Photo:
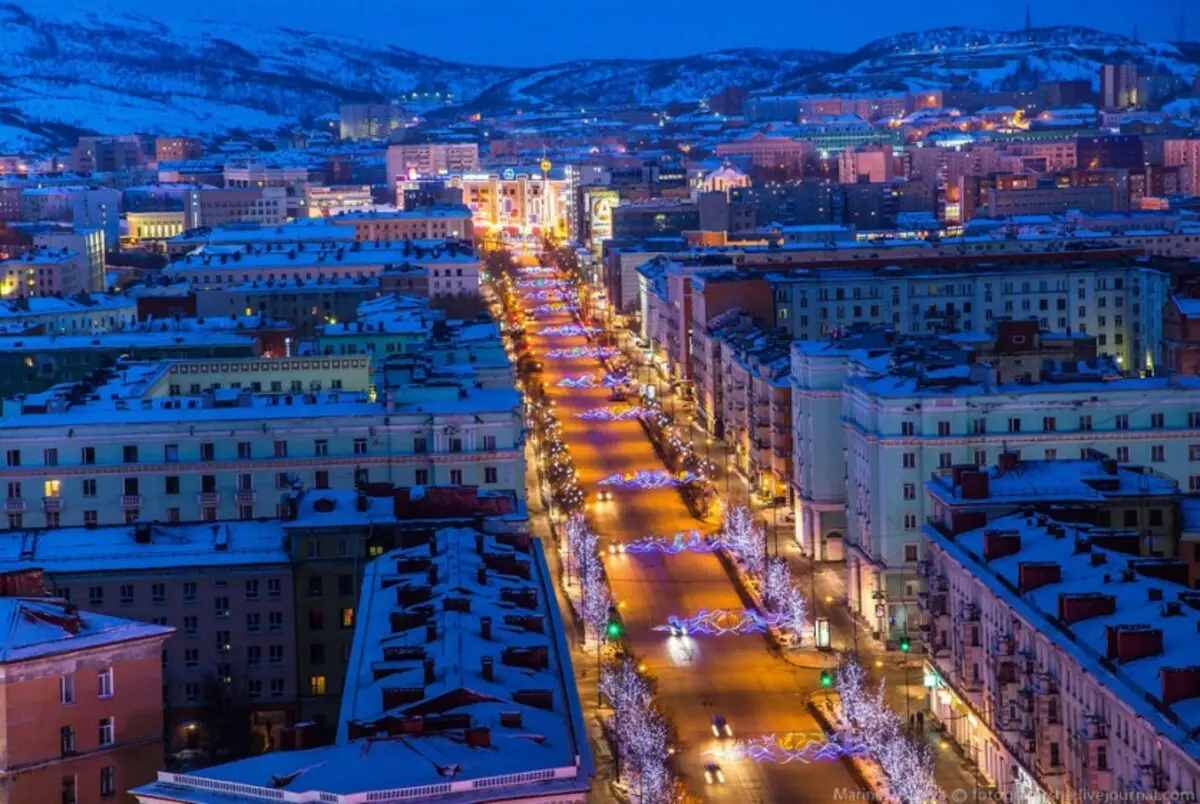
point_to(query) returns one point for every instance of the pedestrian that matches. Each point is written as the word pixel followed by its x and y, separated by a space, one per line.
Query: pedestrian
pixel 921 721
pixel 912 722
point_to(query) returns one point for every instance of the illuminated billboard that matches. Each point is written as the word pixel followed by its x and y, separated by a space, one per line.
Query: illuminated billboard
pixel 600 206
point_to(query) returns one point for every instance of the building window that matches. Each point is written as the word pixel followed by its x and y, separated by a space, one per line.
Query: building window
pixel 282 480
pixel 126 594
pixel 66 740
pixel 910 460
pixel 489 443
pixel 191 657
pixel 207 451
pixel 321 479
pixel 276 654
pixel 50 456
pixel 1158 453
pixel 943 428
pixel 316 619
pixel 281 449
pixel 1014 424
pixel 420 446
pixel 106 735
pixel 104 683
pixel 1085 423
pixel 89 487
pixel 158 592
pixel 12 457
pixel 456 477
pixel 275 621
pixel 68 790
pixel 191 692
pixel 221 606
pixel 129 453
pixel 108 780
pixel 1050 454
pixel 316 586
pixel 191 625
pixel 1121 422
pixel 274 587
pixel 87 456
pixel 254 655
pixel 910 521
pixel 252 589
pixel 360 446
pixel 347 617
pixel 1122 454
pixel 243 450
pixel 189 591
pixel 66 690
pixel 1049 424
pixel 254 622
pixel 223 641
pixel 316 685
pixel 910 553
pixel 421 477
pixel 276 688
pixel 96 595
pixel 945 460
pixel 254 688
pixel 320 447
pixel 316 653
pixel 1157 420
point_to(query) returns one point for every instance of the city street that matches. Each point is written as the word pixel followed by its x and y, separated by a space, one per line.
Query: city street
pixel 697 676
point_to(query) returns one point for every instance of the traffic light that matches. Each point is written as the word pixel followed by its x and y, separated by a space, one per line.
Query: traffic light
pixel 613 631
pixel 904 644
pixel 826 678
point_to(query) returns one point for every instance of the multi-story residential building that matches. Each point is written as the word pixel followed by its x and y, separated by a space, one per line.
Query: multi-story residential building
pixel 438 222
pixel 83 313
pixel 224 588
pixel 334 535
pixel 34 363
pixel 430 159
pixel 323 201
pixel 369 121
pixel 929 416
pixel 1184 152
pixel 180 442
pixel 178 149
pixel 46 273
pixel 257 174
pixel 81 719
pixel 1181 335
pixel 1062 663
pixel 82 206
pixel 1118 86
pixel 743 395
pixel 908 409
pixel 1120 301
pixel 773 153
pixel 309 233
pixel 216 266
pixel 107 154
pixel 306 304
pixel 63 237
pixel 467 668
pixel 266 206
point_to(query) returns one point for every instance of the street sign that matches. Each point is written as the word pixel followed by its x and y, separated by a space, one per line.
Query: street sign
pixel 879 610
pixel 822 633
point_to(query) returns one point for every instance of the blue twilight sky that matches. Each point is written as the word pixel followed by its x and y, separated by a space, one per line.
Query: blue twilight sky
pixel 537 32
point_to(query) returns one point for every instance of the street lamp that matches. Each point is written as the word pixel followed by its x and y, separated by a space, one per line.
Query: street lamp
pixel 905 646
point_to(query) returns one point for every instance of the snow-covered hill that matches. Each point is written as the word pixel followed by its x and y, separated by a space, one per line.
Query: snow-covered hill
pixel 65 71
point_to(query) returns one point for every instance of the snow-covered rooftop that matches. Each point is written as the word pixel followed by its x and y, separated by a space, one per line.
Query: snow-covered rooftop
pixel 1086 568
pixel 34 628
pixel 1029 481
pixel 70 550
pixel 459 689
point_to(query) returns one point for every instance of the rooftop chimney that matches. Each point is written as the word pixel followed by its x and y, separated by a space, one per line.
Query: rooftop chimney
pixel 478 737
pixel 1034 575
pixel 430 672
pixel 1179 683
pixel 485 627
pixel 487 666
pixel 1125 643
pixel 1079 607
pixel 1000 543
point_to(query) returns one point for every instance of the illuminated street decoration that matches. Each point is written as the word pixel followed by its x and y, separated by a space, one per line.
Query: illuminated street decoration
pixel 546 284
pixel 548 296
pixel 615 380
pixel 536 270
pixel 718 622
pixel 907 765
pixel 601 352
pixel 648 479
pixel 570 330
pixel 612 414
pixel 556 307
pixel 689 541
pixel 641 733
pixel 802 747
pixel 582 381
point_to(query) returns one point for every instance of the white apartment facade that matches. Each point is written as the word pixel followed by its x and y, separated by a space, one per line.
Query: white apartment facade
pixel 1067 671
pixel 430 159
pixel 898 431
pixel 1119 301
pixel 160 445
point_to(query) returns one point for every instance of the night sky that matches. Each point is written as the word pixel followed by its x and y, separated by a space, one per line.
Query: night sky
pixel 538 32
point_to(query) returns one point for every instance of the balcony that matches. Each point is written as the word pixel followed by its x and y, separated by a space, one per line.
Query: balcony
pixel 131 501
pixel 208 498
pixel 15 505
pixel 244 497
pixel 52 503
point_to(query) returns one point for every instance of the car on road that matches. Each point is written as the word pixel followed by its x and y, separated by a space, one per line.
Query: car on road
pixel 713 773
pixel 721 727
pixel 678 630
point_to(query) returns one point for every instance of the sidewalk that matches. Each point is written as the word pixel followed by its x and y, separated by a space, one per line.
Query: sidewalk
pixel 583 663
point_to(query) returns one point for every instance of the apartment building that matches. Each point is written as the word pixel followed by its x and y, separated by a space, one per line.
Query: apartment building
pixel 262 205
pixel 182 442
pixel 430 159
pixel 223 588
pixel 437 222
pixel 300 235
pixel 1061 661
pixel 306 304
pixel 907 410
pixel 1120 301
pixel 82 313
pixel 76 721
pixel 47 272
pixel 453 663
pixel 333 536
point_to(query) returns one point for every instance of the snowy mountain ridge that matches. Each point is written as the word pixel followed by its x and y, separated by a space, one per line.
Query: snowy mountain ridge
pixel 67 71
